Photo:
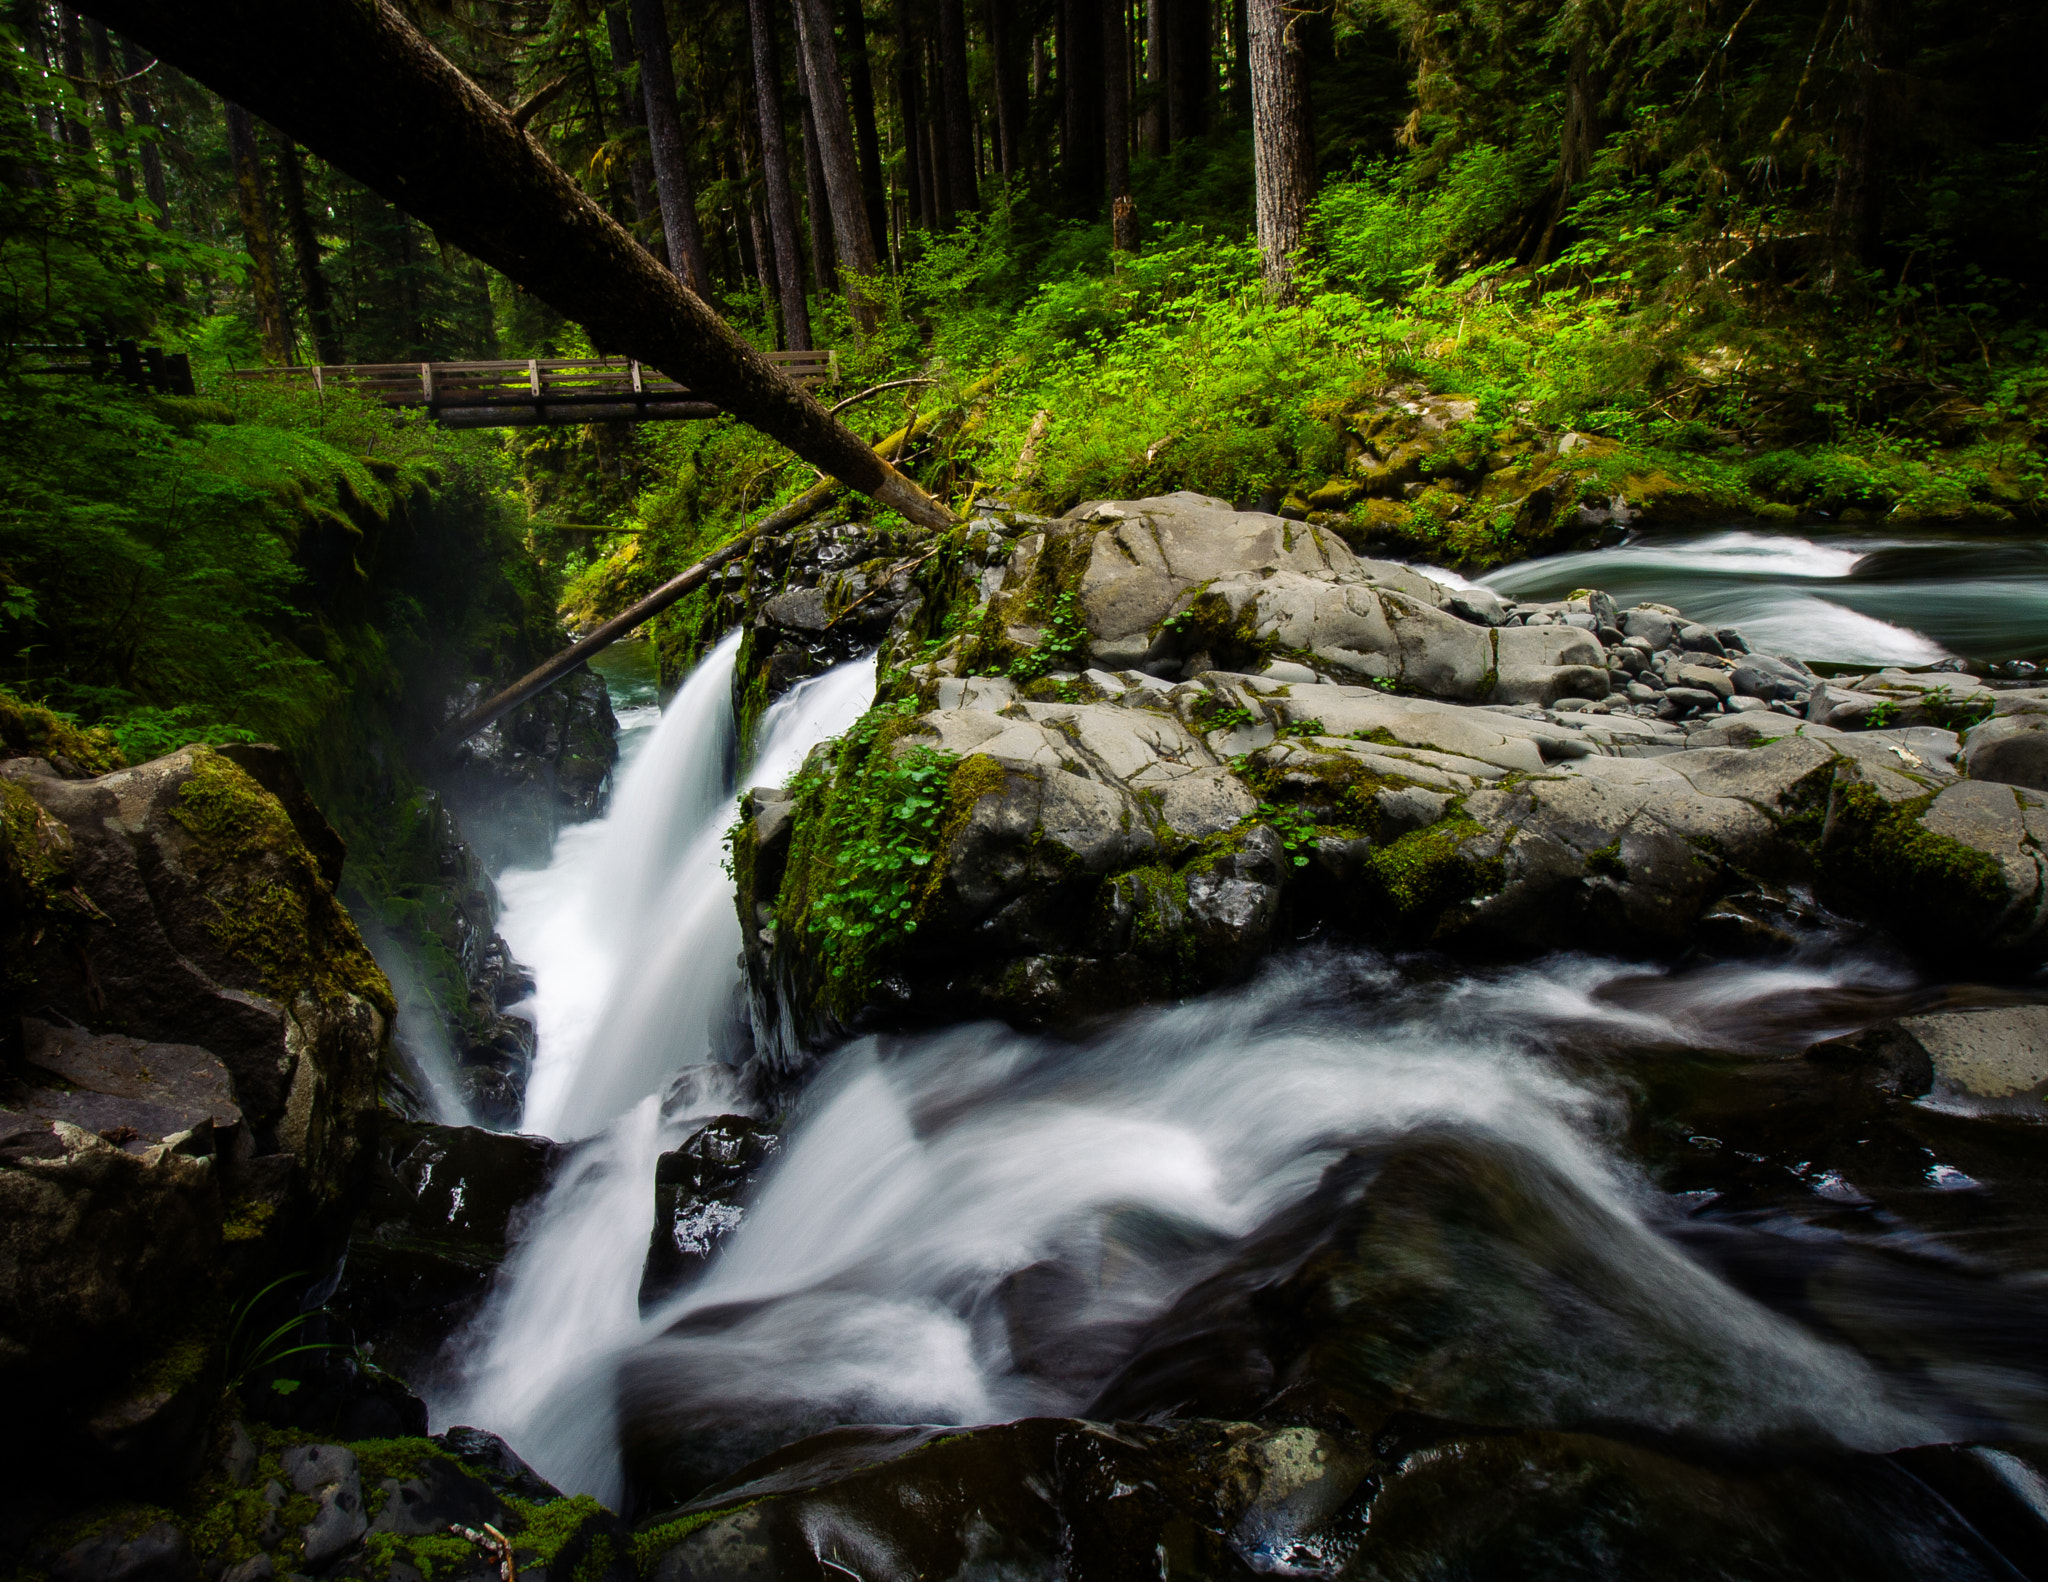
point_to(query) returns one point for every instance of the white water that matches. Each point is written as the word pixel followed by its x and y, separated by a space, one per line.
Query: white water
pixel 634 946
pixel 1771 585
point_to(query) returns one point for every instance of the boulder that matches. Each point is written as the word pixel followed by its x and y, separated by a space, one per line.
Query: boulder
pixel 1997 1054
pixel 2009 749
pixel 439 1208
pixel 699 1193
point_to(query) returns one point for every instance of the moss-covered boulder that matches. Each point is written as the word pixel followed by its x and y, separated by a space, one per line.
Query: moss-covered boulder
pixel 201 1059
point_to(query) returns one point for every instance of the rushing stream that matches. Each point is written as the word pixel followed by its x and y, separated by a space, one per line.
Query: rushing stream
pixel 1852 597
pixel 1579 1195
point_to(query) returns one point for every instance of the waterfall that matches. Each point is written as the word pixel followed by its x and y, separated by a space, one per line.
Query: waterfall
pixel 633 942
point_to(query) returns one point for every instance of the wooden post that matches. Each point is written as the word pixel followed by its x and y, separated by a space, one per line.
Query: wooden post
pixel 427 384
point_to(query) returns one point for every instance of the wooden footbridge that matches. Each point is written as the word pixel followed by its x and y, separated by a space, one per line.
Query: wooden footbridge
pixel 516 393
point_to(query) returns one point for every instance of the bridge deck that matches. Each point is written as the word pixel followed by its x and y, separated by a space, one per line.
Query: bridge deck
pixel 517 392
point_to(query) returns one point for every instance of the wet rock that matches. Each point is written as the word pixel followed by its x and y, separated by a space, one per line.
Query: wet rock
pixel 440 1207
pixel 440 1495
pixel 490 1458
pixel 328 1472
pixel 1989 1054
pixel 699 1193
pixel 239 1462
pixel 514 784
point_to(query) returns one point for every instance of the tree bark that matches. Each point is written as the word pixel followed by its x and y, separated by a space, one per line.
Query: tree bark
pixel 252 200
pixel 139 103
pixel 938 187
pixel 854 25
pixel 855 244
pixel 781 206
pixel 1187 69
pixel 110 110
pixel 306 252
pixel 71 56
pixel 916 183
pixel 633 116
pixel 667 148
pixel 1081 89
pixel 962 188
pixel 1006 68
pixel 824 277
pixel 1283 155
pixel 1856 212
pixel 1116 127
pixel 1154 123
pixel 1240 72
pixel 764 242
pixel 451 154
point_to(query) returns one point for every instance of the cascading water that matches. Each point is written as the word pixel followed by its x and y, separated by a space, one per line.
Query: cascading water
pixel 975 1224
pixel 632 939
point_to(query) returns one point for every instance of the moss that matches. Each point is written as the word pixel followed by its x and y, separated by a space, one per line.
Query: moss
pixel 1607 862
pixel 650 1542
pixel 30 730
pixel 1425 873
pixel 1925 884
pixel 274 912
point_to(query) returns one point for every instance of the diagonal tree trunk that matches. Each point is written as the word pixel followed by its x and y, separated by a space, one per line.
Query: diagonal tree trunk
pixel 855 27
pixel 855 244
pixel 633 116
pixel 452 155
pixel 1283 153
pixel 958 113
pixel 668 149
pixel 789 269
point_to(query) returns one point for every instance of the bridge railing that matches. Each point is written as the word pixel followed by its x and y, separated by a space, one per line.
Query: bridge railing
pixel 513 392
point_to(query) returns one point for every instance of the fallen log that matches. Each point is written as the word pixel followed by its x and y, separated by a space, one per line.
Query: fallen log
pixel 356 83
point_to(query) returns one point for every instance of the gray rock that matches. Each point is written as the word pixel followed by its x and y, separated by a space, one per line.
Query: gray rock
pixel 1699 640
pixel 1703 678
pixel 1680 701
pixel 338 1525
pixel 1658 630
pixel 1995 1054
pixel 2009 749
pixel 1482 606
pixel 239 1463
pixel 313 1466
pixel 159 1553
pixel 258 1568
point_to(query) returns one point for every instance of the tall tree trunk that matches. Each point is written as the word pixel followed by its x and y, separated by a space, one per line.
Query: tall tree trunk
pixel 1187 69
pixel 71 55
pixel 1082 89
pixel 1154 124
pixel 854 24
pixel 824 276
pixel 633 118
pixel 1856 212
pixel 916 184
pixel 298 220
pixel 110 110
pixel 1116 126
pixel 939 187
pixel 253 201
pixel 1240 63
pixel 1283 153
pixel 959 115
pixel 133 63
pixel 667 148
pixel 781 206
pixel 765 270
pixel 1000 24
pixel 855 243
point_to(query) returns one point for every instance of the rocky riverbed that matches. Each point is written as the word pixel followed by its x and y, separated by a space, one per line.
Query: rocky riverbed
pixel 1130 758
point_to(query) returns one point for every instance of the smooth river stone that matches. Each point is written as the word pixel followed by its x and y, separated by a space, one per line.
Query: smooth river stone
pixel 1986 1054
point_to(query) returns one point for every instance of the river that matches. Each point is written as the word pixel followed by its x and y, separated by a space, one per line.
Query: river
pixel 1610 1197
